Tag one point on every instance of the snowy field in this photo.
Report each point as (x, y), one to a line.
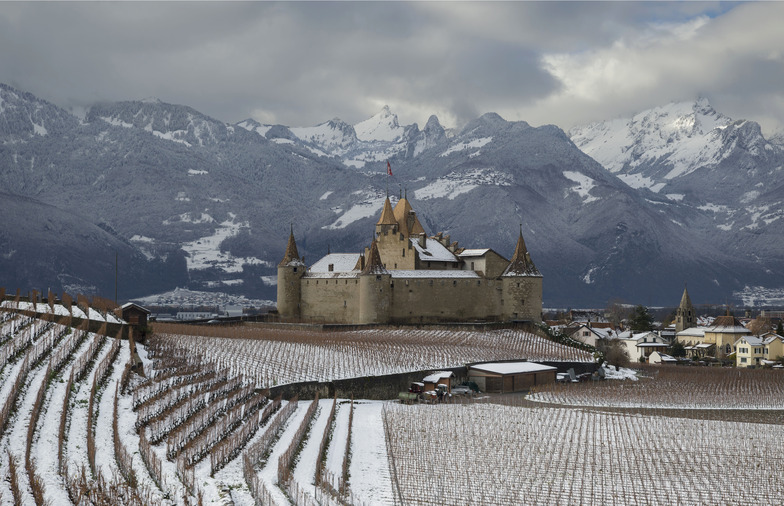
(79, 427)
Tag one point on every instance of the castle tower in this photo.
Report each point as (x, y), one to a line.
(521, 286)
(684, 315)
(290, 272)
(375, 292)
(393, 230)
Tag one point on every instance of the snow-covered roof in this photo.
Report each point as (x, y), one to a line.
(692, 332)
(473, 252)
(128, 305)
(512, 367)
(651, 345)
(434, 274)
(751, 340)
(341, 262)
(437, 376)
(433, 251)
(728, 325)
(331, 275)
(772, 337)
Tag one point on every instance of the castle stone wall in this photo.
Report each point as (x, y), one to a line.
(445, 299)
(330, 300)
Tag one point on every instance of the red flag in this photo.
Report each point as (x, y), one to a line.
(389, 169)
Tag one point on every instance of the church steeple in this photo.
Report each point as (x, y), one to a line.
(291, 255)
(684, 315)
(521, 263)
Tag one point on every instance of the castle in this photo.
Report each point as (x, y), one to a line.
(404, 276)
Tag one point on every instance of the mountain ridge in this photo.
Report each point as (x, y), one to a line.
(217, 199)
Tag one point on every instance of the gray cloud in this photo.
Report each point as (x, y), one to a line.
(303, 63)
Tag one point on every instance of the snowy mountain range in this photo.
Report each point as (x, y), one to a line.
(626, 209)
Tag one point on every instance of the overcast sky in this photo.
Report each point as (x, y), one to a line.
(300, 64)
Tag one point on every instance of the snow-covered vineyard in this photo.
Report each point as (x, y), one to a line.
(677, 388)
(509, 455)
(78, 426)
(273, 357)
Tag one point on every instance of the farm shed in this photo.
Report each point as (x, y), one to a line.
(135, 314)
(510, 376)
(437, 378)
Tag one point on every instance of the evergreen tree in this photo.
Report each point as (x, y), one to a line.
(640, 320)
(780, 328)
(677, 349)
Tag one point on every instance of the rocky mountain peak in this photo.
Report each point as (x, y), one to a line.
(382, 126)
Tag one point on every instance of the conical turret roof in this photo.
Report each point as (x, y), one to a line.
(387, 215)
(521, 263)
(403, 211)
(291, 257)
(374, 265)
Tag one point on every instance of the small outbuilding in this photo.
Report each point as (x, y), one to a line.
(438, 378)
(504, 377)
(657, 357)
(134, 314)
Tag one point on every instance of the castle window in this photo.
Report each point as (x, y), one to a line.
(454, 283)
(472, 266)
(428, 265)
(378, 278)
(479, 283)
(295, 269)
(431, 281)
(344, 303)
(404, 252)
(331, 267)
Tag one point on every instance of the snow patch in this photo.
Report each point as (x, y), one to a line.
(369, 206)
(205, 253)
(584, 185)
(473, 144)
(458, 183)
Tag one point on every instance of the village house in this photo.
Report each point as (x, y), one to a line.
(641, 344)
(750, 351)
(588, 334)
(756, 351)
(404, 276)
